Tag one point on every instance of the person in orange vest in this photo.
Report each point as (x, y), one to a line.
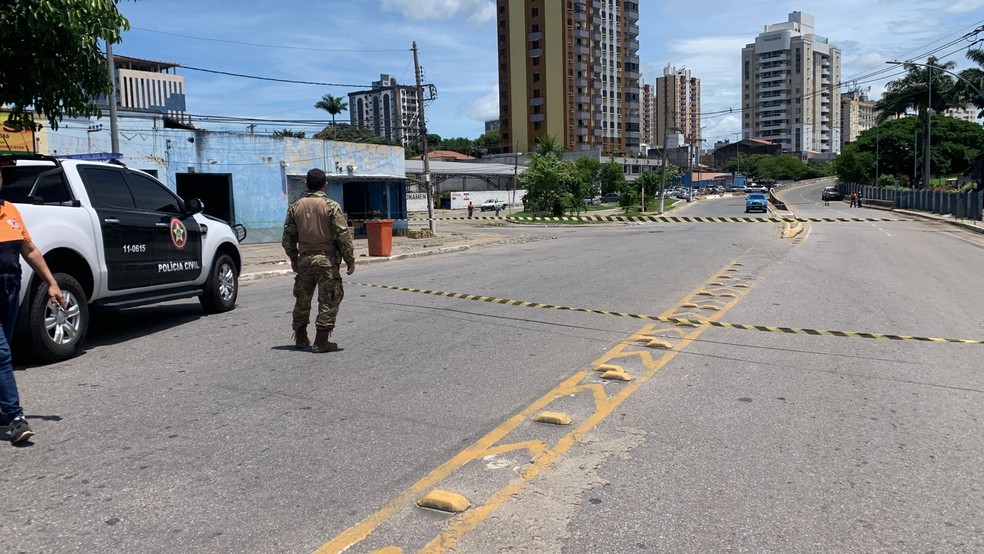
(15, 242)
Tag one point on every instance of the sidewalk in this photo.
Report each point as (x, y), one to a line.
(268, 259)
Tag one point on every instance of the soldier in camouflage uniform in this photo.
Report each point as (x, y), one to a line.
(317, 239)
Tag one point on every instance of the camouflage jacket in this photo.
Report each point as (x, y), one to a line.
(316, 223)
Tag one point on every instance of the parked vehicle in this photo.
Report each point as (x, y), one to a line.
(113, 237)
(611, 197)
(593, 200)
(831, 193)
(756, 201)
(493, 204)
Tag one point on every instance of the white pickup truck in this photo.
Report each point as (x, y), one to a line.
(114, 238)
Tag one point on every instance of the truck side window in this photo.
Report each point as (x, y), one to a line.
(53, 190)
(107, 187)
(152, 196)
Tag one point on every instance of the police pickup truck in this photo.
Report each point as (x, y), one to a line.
(113, 237)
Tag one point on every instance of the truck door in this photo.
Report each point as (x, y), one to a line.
(177, 236)
(126, 241)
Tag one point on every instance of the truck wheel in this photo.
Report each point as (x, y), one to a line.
(222, 286)
(57, 334)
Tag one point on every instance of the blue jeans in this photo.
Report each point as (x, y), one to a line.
(9, 399)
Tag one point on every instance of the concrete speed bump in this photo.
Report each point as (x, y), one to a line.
(619, 375)
(388, 550)
(554, 418)
(657, 343)
(608, 367)
(444, 501)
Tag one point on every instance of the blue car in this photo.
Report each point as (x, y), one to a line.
(756, 201)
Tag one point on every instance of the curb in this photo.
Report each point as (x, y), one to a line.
(256, 275)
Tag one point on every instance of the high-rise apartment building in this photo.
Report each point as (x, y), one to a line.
(569, 70)
(676, 106)
(858, 114)
(790, 88)
(647, 107)
(389, 110)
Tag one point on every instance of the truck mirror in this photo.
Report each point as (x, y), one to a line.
(194, 206)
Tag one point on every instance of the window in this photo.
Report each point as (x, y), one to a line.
(107, 187)
(535, 12)
(152, 196)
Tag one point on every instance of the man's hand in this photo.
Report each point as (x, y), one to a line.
(293, 266)
(349, 268)
(55, 295)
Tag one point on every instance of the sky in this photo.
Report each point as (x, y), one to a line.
(336, 43)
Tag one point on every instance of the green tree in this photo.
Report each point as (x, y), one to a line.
(973, 78)
(611, 177)
(548, 145)
(890, 145)
(488, 143)
(289, 133)
(349, 133)
(50, 59)
(334, 105)
(589, 171)
(549, 181)
(922, 88)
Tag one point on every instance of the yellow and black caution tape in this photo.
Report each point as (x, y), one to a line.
(658, 219)
(674, 320)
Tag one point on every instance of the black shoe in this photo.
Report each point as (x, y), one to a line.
(20, 430)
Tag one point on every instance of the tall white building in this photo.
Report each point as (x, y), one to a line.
(790, 88)
(389, 110)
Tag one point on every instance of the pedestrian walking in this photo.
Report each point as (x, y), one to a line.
(859, 198)
(825, 198)
(316, 239)
(471, 208)
(498, 207)
(15, 242)
(854, 199)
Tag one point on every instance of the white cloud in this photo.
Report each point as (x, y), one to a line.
(964, 6)
(477, 11)
(483, 109)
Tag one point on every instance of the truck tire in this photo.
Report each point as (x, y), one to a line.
(57, 334)
(222, 286)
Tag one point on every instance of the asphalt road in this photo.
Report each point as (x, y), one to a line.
(181, 432)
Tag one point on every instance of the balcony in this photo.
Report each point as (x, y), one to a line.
(583, 115)
(535, 36)
(536, 53)
(536, 117)
(581, 82)
(632, 30)
(632, 45)
(536, 101)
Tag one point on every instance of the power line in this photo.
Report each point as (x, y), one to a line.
(291, 81)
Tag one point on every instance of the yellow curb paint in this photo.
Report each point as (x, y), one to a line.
(710, 307)
(444, 501)
(554, 418)
(705, 293)
(388, 550)
(727, 295)
(690, 304)
(608, 367)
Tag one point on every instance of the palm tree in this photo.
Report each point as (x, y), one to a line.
(921, 86)
(333, 105)
(975, 77)
(547, 145)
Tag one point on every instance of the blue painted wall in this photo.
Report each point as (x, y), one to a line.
(263, 170)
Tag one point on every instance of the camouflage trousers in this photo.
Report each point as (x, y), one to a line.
(316, 271)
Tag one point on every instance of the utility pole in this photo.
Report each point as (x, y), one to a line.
(929, 133)
(114, 131)
(666, 141)
(422, 125)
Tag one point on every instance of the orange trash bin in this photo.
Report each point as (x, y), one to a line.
(380, 233)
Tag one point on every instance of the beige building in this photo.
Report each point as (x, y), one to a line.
(790, 95)
(147, 85)
(569, 71)
(858, 114)
(675, 107)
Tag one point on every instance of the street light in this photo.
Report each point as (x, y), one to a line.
(929, 108)
(88, 134)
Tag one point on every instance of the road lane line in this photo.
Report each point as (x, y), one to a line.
(543, 455)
